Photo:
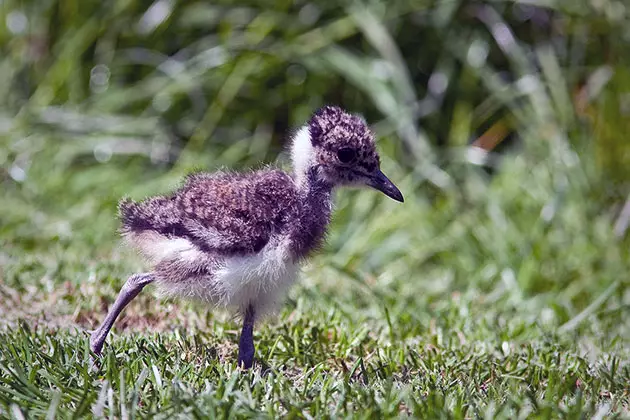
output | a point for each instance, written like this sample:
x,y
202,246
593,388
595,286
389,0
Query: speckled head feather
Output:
x,y
343,146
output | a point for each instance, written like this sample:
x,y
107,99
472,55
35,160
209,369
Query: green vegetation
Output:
x,y
498,289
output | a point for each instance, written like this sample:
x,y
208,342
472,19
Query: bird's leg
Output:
x,y
246,343
130,290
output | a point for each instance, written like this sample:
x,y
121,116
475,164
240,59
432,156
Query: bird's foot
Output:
x,y
245,361
96,346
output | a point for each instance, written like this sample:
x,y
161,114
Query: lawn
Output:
x,y
499,289
480,302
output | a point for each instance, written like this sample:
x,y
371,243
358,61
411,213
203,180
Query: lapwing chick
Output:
x,y
237,239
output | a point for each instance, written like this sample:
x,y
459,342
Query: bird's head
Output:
x,y
338,148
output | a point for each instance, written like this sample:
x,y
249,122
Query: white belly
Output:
x,y
261,279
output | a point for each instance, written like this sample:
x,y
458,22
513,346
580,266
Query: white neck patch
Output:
x,y
302,154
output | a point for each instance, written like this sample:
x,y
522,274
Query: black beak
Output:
x,y
380,182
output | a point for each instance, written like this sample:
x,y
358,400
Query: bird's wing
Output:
x,y
221,213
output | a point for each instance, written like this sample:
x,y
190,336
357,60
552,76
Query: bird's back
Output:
x,y
221,213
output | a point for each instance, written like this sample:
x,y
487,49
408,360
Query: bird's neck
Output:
x,y
315,193
308,232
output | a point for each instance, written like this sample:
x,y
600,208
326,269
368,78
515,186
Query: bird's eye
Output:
x,y
346,154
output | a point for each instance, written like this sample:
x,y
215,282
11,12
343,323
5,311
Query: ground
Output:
x,y
502,296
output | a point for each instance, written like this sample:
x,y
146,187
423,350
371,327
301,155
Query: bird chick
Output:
x,y
237,239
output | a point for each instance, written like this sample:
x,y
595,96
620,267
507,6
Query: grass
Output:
x,y
469,305
499,289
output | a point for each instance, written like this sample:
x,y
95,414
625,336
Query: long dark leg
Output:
x,y
246,344
130,290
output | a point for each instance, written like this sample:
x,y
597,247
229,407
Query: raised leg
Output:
x,y
130,290
246,343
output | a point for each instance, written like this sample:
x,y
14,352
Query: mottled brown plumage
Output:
x,y
221,213
236,239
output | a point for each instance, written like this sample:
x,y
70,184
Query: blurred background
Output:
x,y
504,123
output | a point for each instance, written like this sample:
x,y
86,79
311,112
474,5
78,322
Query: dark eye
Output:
x,y
346,154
